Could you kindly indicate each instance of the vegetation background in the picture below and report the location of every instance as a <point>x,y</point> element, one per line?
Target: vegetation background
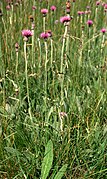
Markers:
<point>42,106</point>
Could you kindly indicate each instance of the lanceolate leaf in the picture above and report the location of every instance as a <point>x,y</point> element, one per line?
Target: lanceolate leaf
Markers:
<point>47,161</point>
<point>61,172</point>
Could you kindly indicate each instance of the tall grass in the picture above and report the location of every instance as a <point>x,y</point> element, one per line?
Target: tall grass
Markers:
<point>65,87</point>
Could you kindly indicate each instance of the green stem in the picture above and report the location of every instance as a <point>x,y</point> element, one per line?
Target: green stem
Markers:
<point>61,68</point>
<point>62,51</point>
<point>33,65</point>
<point>51,52</point>
<point>44,18</point>
<point>46,60</point>
<point>26,76</point>
<point>40,53</point>
<point>17,56</point>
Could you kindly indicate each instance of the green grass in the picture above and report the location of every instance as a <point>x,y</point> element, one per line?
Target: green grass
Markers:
<point>77,141</point>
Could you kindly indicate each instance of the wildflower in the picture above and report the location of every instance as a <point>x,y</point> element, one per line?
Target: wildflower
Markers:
<point>105,6</point>
<point>49,32</point>
<point>56,21</point>
<point>103,30</point>
<point>16,47</point>
<point>87,12</point>
<point>8,7</point>
<point>44,35</point>
<point>65,19</point>
<point>63,114</point>
<point>88,7</point>
<point>97,3</point>
<point>44,11</point>
<point>53,8</point>
<point>34,7</point>
<point>81,13</point>
<point>26,33</point>
<point>90,23</point>
<point>31,18</point>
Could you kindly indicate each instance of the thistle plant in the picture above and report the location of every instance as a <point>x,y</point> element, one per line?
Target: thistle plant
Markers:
<point>33,36</point>
<point>53,104</point>
<point>44,13</point>
<point>65,20</point>
<point>26,34</point>
<point>89,24</point>
<point>45,36</point>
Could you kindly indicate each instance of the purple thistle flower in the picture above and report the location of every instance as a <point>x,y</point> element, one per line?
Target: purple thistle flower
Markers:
<point>88,12</point>
<point>63,114</point>
<point>89,23</point>
<point>65,19</point>
<point>44,35</point>
<point>27,33</point>
<point>44,11</point>
<point>105,6</point>
<point>81,13</point>
<point>34,7</point>
<point>8,7</point>
<point>56,21</point>
<point>103,30</point>
<point>97,3</point>
<point>53,8</point>
<point>88,7</point>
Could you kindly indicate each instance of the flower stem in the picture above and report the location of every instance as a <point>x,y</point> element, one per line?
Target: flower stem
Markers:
<point>51,52</point>
<point>44,23</point>
<point>61,68</point>
<point>46,60</point>
<point>17,56</point>
<point>62,51</point>
<point>26,76</point>
<point>33,65</point>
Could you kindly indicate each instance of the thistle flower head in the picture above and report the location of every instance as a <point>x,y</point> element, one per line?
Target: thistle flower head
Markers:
<point>44,11</point>
<point>81,13</point>
<point>65,19</point>
<point>63,114</point>
<point>53,8</point>
<point>44,35</point>
<point>103,30</point>
<point>34,7</point>
<point>89,23</point>
<point>88,7</point>
<point>27,33</point>
<point>8,7</point>
<point>88,12</point>
<point>97,3</point>
<point>105,6</point>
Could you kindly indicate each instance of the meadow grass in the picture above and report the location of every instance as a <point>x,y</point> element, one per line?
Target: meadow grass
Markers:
<point>53,92</point>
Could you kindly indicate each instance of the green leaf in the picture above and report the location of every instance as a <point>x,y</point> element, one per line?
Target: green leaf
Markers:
<point>61,172</point>
<point>47,161</point>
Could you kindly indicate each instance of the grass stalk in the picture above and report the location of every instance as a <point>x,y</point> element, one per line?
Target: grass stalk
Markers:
<point>61,67</point>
